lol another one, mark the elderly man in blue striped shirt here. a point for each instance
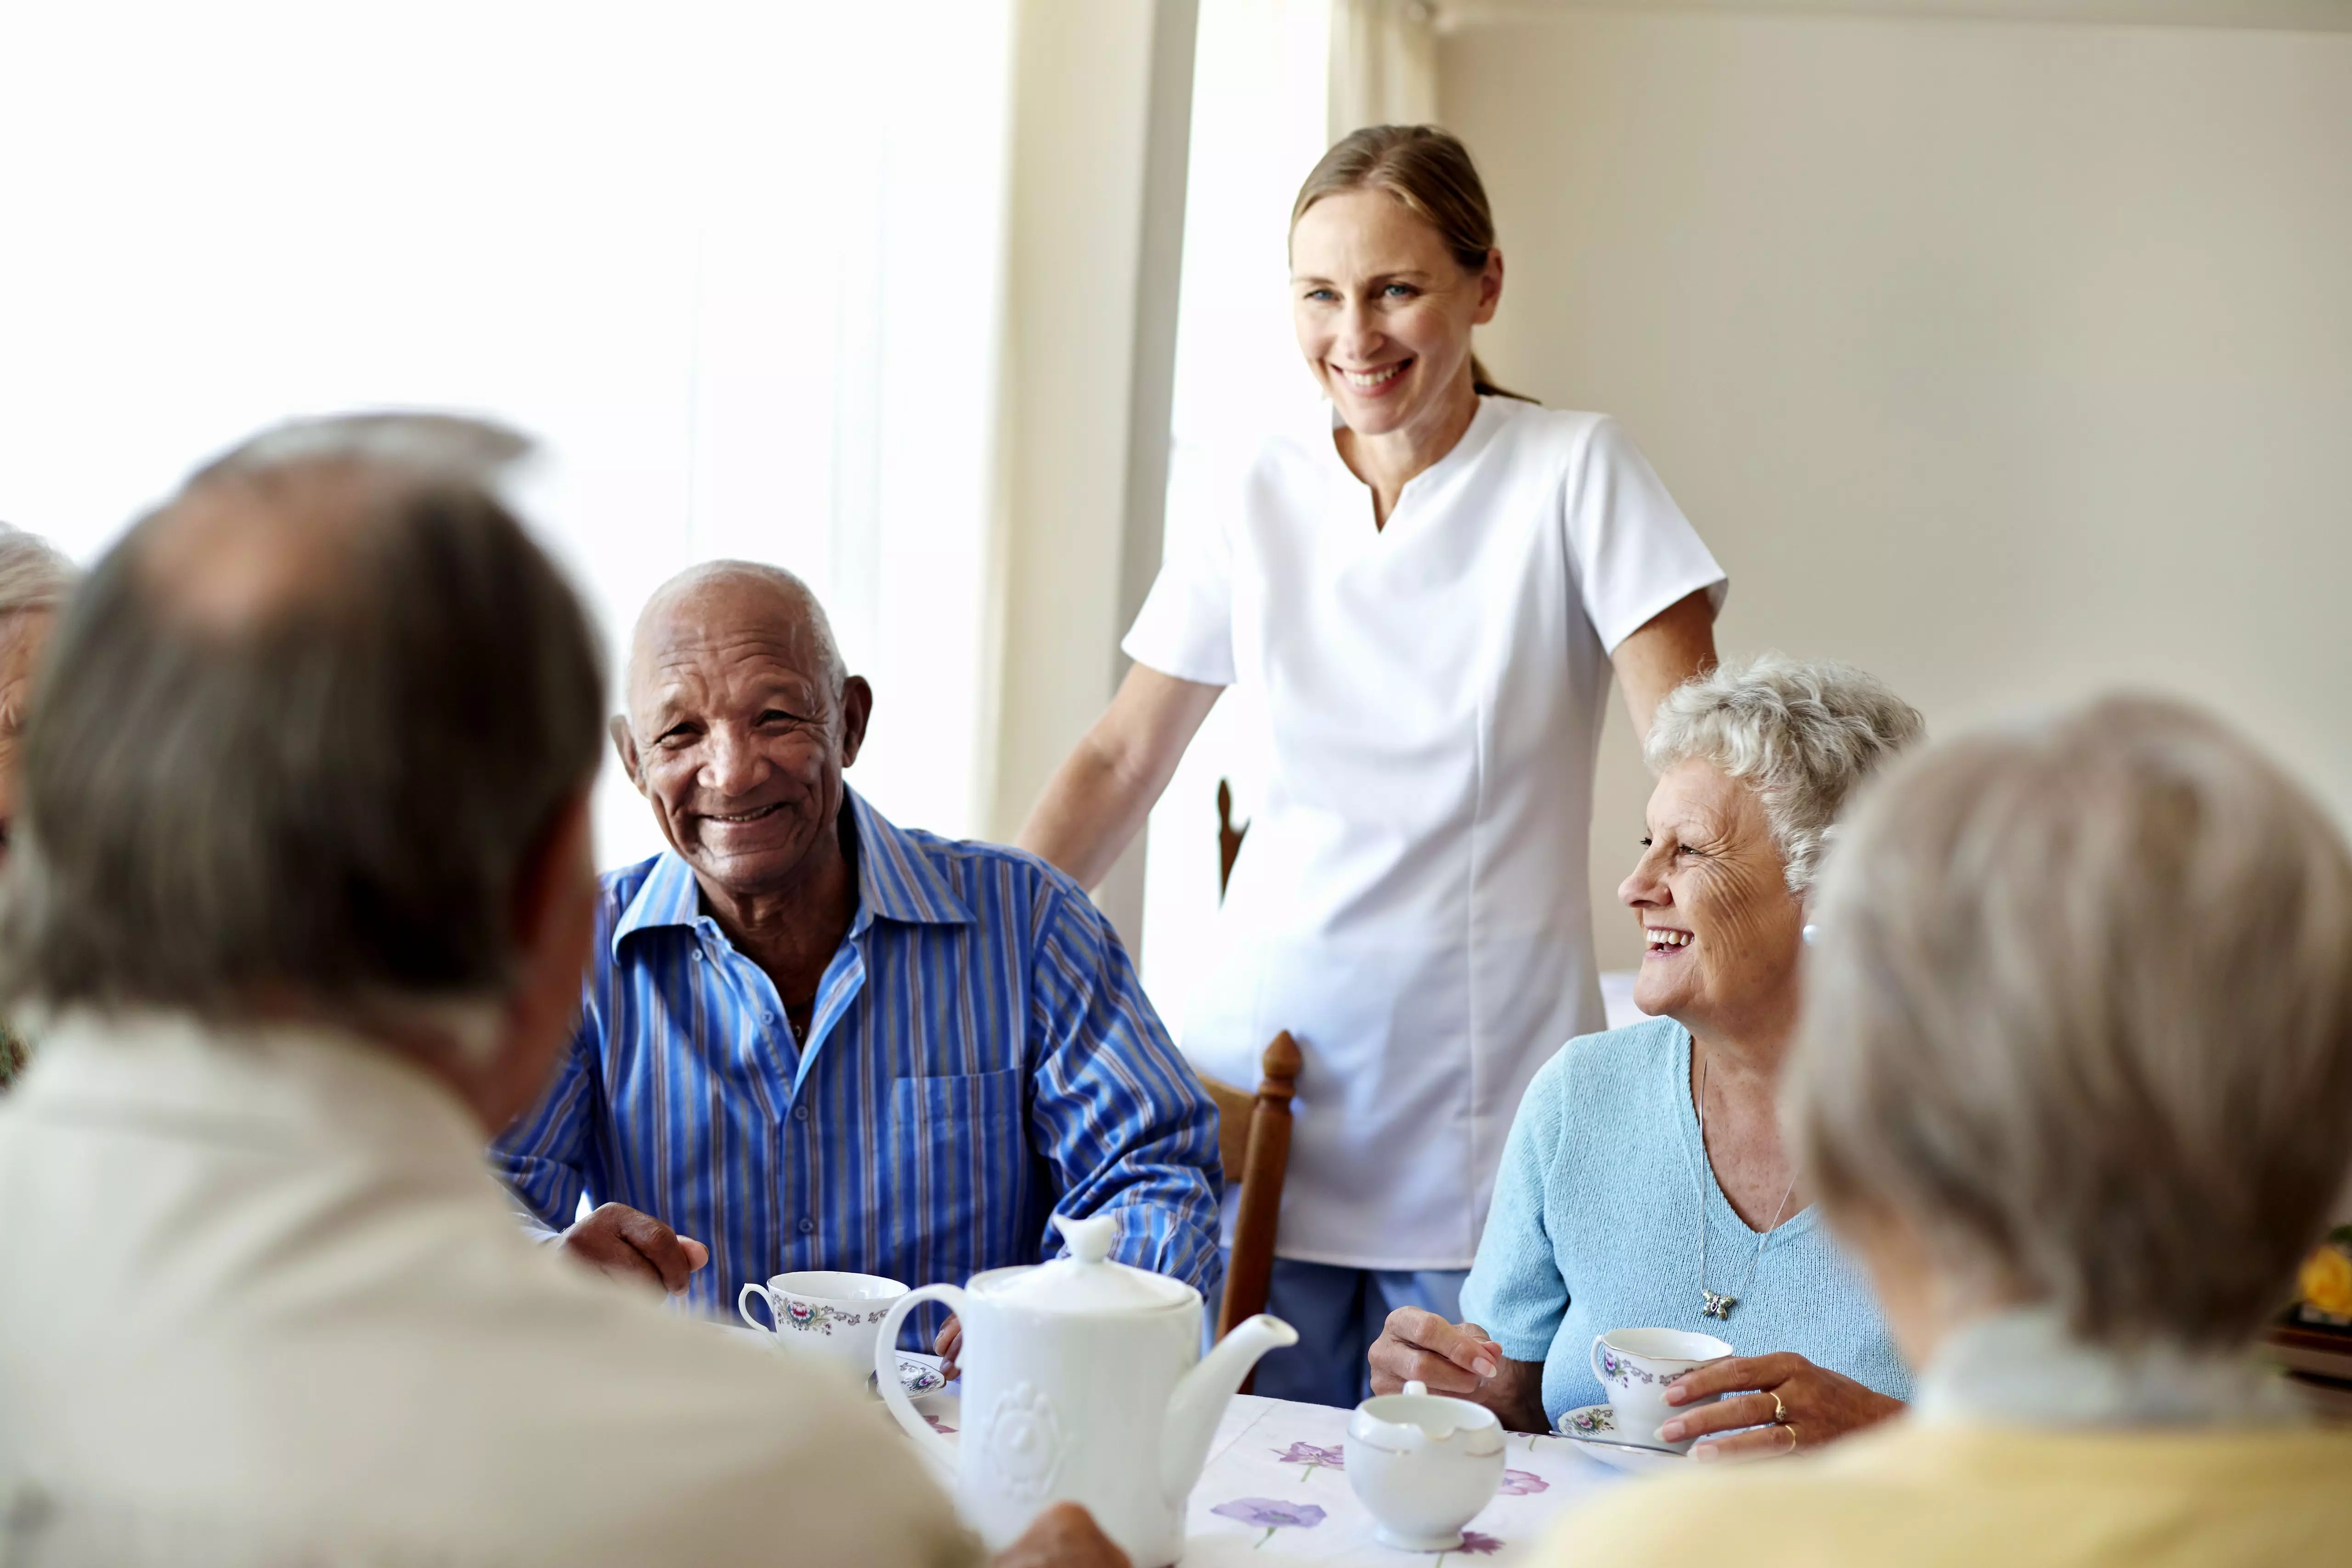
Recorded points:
(814, 1040)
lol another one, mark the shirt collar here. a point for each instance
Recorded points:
(2021, 1367)
(896, 876)
(895, 881)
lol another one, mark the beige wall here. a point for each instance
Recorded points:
(2007, 360)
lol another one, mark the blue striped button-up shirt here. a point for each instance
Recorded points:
(980, 1055)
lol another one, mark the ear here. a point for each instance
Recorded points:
(856, 706)
(625, 746)
(552, 921)
(1490, 287)
(556, 879)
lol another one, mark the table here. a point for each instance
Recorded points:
(1275, 1491)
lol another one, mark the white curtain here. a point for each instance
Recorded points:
(739, 265)
(1384, 64)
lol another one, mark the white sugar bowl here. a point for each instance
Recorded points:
(1423, 1465)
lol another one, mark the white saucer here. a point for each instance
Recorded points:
(916, 1375)
(1595, 1427)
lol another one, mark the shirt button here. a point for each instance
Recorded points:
(698, 955)
(800, 1113)
(807, 1225)
(768, 1017)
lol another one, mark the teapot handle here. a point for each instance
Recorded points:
(928, 1443)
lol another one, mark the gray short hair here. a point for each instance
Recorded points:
(2080, 1013)
(1801, 734)
(34, 576)
(332, 795)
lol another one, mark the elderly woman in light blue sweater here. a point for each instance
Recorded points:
(1645, 1184)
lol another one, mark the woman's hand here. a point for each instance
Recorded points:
(1791, 1403)
(1415, 1346)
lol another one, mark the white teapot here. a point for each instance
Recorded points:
(1080, 1385)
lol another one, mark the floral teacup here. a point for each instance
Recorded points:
(833, 1316)
(1636, 1367)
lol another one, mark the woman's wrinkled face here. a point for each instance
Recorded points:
(20, 649)
(1383, 311)
(1721, 931)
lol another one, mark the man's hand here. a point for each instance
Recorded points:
(622, 1244)
(1415, 1346)
(948, 1345)
(1814, 1405)
(1064, 1536)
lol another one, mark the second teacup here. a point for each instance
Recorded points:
(830, 1315)
(1636, 1366)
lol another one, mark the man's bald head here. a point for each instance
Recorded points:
(285, 523)
(720, 595)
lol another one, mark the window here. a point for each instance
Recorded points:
(737, 265)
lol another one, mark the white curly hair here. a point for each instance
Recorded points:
(1802, 733)
(34, 576)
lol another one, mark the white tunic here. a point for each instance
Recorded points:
(1411, 902)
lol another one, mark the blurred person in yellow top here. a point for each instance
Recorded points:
(2073, 1080)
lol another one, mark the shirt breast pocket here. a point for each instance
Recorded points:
(960, 1148)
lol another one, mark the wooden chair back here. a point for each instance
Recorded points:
(1229, 837)
(1253, 1144)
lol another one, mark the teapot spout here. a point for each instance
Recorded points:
(1199, 1402)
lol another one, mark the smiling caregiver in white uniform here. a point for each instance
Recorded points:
(1430, 585)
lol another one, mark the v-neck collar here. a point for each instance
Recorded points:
(1694, 1149)
(1461, 455)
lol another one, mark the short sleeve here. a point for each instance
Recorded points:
(1515, 1291)
(1635, 553)
(1186, 626)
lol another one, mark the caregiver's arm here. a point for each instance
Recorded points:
(1670, 647)
(1099, 797)
(1458, 1358)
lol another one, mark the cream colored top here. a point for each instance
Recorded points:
(261, 1302)
(1926, 1497)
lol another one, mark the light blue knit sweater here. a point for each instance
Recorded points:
(1595, 1226)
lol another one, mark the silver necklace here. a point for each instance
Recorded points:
(1714, 1303)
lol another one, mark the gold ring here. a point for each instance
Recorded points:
(1779, 1411)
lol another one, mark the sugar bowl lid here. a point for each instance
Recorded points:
(1417, 1421)
(1086, 1281)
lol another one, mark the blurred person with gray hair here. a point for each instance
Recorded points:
(304, 891)
(1645, 1184)
(34, 581)
(2073, 1080)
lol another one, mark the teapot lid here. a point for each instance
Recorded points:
(1086, 1281)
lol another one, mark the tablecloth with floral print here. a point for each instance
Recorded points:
(1275, 1491)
